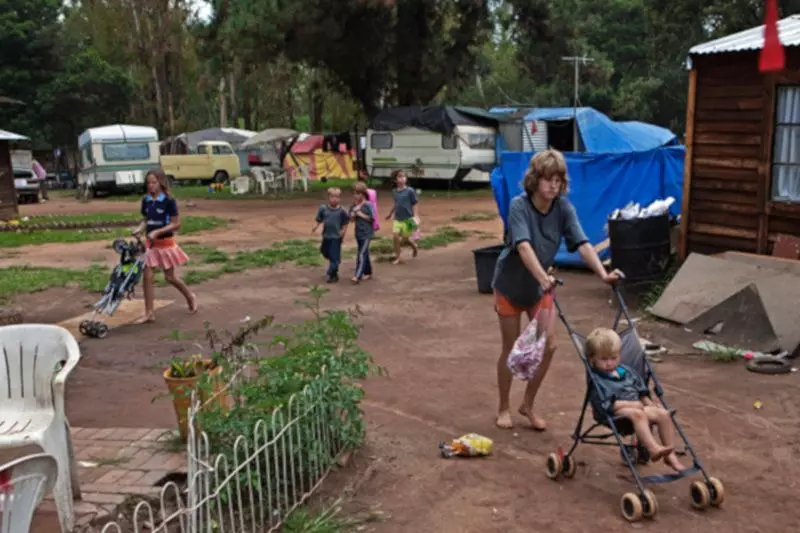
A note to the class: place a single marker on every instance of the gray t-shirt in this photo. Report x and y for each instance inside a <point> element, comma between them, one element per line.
<point>543,231</point>
<point>332,219</point>
<point>364,229</point>
<point>404,202</point>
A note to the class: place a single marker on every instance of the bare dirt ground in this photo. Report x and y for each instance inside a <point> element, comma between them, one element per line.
<point>438,339</point>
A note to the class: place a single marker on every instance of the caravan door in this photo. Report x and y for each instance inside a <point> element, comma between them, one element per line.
<point>422,154</point>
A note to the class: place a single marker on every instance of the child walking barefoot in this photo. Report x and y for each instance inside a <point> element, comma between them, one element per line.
<point>362,213</point>
<point>160,222</point>
<point>406,214</point>
<point>630,397</point>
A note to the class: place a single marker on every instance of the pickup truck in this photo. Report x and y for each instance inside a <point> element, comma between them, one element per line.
<point>215,161</point>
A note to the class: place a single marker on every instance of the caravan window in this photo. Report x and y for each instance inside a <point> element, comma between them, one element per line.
<point>381,141</point>
<point>481,141</point>
<point>450,142</point>
<point>126,151</point>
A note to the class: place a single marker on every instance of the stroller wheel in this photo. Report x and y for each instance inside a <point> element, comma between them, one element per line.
<point>569,467</point>
<point>101,330</point>
<point>701,496</point>
<point>631,507</point>
<point>554,466</point>
<point>84,326</point>
<point>717,491</point>
<point>649,504</point>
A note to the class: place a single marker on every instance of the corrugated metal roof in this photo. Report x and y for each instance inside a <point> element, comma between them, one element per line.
<point>752,39</point>
<point>8,136</point>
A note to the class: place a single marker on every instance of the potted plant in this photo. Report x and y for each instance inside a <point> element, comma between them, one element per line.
<point>183,376</point>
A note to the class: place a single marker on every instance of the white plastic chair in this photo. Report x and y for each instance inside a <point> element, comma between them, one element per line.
<point>35,361</point>
<point>265,179</point>
<point>23,484</point>
<point>240,185</point>
<point>303,177</point>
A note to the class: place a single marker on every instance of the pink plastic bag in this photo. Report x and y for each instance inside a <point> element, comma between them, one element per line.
<point>528,350</point>
<point>372,197</point>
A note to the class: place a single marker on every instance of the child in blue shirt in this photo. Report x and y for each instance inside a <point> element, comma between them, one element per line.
<point>623,393</point>
<point>333,219</point>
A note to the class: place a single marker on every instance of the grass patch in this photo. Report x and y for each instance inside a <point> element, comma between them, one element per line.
<point>441,237</point>
<point>189,225</point>
<point>207,263</point>
<point>200,192</point>
<point>93,218</point>
<point>477,216</point>
<point>658,287</point>
<point>22,280</point>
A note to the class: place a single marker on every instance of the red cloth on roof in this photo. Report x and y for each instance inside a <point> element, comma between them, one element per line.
<point>773,56</point>
<point>308,145</point>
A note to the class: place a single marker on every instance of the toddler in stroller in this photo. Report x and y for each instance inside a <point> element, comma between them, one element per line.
<point>124,278</point>
<point>619,378</point>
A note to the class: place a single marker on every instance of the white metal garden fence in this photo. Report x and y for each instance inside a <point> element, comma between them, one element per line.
<point>270,473</point>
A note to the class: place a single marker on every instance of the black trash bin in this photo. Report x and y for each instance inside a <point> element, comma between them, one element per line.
<point>485,259</point>
<point>641,247</point>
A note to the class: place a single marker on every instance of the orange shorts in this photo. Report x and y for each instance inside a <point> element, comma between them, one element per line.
<point>504,307</point>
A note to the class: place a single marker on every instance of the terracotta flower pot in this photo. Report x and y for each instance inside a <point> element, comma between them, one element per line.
<point>181,392</point>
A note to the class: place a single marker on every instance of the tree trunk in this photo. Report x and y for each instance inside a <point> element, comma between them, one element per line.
<point>232,94</point>
<point>290,107</point>
<point>223,111</point>
<point>247,96</point>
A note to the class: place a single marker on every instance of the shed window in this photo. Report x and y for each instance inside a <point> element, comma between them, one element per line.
<point>786,151</point>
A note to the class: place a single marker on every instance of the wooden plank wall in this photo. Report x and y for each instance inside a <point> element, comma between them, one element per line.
<point>729,205</point>
<point>8,193</point>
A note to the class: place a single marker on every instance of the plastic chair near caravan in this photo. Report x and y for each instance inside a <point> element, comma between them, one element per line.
<point>23,484</point>
<point>35,362</point>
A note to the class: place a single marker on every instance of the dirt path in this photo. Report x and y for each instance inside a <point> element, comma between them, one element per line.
<point>438,339</point>
<point>251,224</point>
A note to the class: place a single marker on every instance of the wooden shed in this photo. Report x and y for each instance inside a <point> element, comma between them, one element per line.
<point>8,193</point>
<point>742,169</point>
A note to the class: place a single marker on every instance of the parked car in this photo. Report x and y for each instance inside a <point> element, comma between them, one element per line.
<point>64,180</point>
<point>28,186</point>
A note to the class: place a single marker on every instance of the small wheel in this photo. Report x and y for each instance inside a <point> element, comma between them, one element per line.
<point>100,330</point>
<point>554,466</point>
<point>649,504</point>
<point>701,496</point>
<point>631,507</point>
<point>569,466</point>
<point>717,491</point>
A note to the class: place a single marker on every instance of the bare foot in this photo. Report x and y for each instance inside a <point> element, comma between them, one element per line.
<point>146,319</point>
<point>396,261</point>
<point>661,452</point>
<point>355,280</point>
<point>414,248</point>
<point>674,463</point>
<point>366,277</point>
<point>537,423</point>
<point>504,420</point>
<point>193,305</point>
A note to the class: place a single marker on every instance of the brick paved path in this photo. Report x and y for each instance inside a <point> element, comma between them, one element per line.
<point>114,463</point>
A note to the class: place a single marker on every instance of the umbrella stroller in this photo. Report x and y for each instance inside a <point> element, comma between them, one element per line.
<point>124,278</point>
<point>609,430</point>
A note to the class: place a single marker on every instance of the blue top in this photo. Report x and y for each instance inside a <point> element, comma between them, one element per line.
<point>544,232</point>
<point>158,212</point>
<point>627,385</point>
<point>404,202</point>
<point>333,219</point>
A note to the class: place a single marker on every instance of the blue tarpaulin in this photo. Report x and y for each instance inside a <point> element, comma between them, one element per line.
<point>600,183</point>
<point>601,135</point>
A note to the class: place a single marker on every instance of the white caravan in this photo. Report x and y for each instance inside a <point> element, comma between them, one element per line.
<point>446,143</point>
<point>116,158</point>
